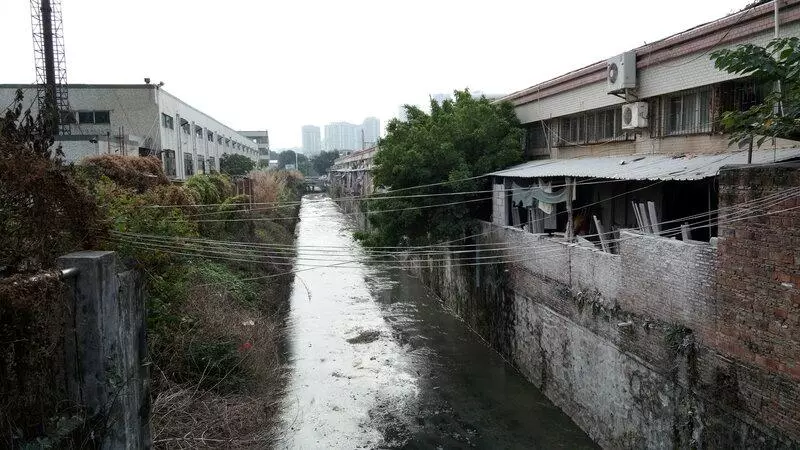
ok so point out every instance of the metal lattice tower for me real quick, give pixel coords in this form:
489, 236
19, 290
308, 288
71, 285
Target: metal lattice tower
51, 66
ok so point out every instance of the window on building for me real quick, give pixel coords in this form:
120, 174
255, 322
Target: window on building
604, 125
102, 117
212, 164
198, 131
219, 140
741, 95
210, 136
688, 112
97, 117
85, 117
188, 168
571, 130
227, 142
169, 163
167, 121
201, 164
185, 126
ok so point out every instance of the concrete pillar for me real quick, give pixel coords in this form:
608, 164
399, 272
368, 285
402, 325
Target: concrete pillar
178, 149
193, 145
106, 349
205, 150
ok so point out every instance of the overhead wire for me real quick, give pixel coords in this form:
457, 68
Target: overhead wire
300, 260
342, 264
325, 248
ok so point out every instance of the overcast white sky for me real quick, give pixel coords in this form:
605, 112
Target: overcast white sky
281, 64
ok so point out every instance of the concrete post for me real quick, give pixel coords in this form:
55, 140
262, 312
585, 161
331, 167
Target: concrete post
193, 137
179, 149
105, 356
205, 150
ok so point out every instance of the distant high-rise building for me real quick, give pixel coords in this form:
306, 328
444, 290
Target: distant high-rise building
312, 143
371, 132
342, 136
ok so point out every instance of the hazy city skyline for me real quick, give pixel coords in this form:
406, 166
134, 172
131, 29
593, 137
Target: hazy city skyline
276, 86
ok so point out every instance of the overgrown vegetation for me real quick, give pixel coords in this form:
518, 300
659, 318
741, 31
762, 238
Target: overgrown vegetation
778, 65
44, 211
216, 313
456, 143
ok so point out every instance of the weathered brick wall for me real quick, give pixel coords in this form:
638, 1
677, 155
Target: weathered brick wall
759, 271
757, 323
667, 279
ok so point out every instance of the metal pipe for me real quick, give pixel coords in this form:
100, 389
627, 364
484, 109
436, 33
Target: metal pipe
69, 272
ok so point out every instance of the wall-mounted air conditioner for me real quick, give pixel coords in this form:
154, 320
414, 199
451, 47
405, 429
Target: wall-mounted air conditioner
621, 72
634, 115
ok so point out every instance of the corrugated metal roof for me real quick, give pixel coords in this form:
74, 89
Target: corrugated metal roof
644, 167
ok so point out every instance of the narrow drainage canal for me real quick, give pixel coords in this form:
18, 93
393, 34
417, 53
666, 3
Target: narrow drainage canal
377, 363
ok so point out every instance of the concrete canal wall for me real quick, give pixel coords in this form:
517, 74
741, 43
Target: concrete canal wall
666, 344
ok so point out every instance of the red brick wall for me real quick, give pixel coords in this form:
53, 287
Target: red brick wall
758, 278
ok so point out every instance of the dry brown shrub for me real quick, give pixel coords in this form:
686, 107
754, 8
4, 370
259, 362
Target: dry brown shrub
44, 212
185, 417
268, 186
188, 415
138, 172
33, 313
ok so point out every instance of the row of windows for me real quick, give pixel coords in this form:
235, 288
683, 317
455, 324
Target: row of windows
168, 122
87, 117
686, 112
188, 163
592, 127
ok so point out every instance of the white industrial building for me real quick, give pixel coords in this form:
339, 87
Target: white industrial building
142, 119
261, 138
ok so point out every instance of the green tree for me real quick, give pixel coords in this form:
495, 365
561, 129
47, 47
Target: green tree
288, 158
456, 143
235, 165
323, 161
777, 64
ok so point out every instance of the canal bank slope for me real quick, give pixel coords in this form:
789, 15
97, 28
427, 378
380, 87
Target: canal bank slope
668, 344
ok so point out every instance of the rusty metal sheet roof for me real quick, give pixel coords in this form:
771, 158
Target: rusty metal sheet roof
644, 167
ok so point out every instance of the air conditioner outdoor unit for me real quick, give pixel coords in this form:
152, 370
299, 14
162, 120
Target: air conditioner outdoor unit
621, 72
634, 115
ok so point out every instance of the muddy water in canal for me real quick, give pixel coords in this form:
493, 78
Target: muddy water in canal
375, 362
